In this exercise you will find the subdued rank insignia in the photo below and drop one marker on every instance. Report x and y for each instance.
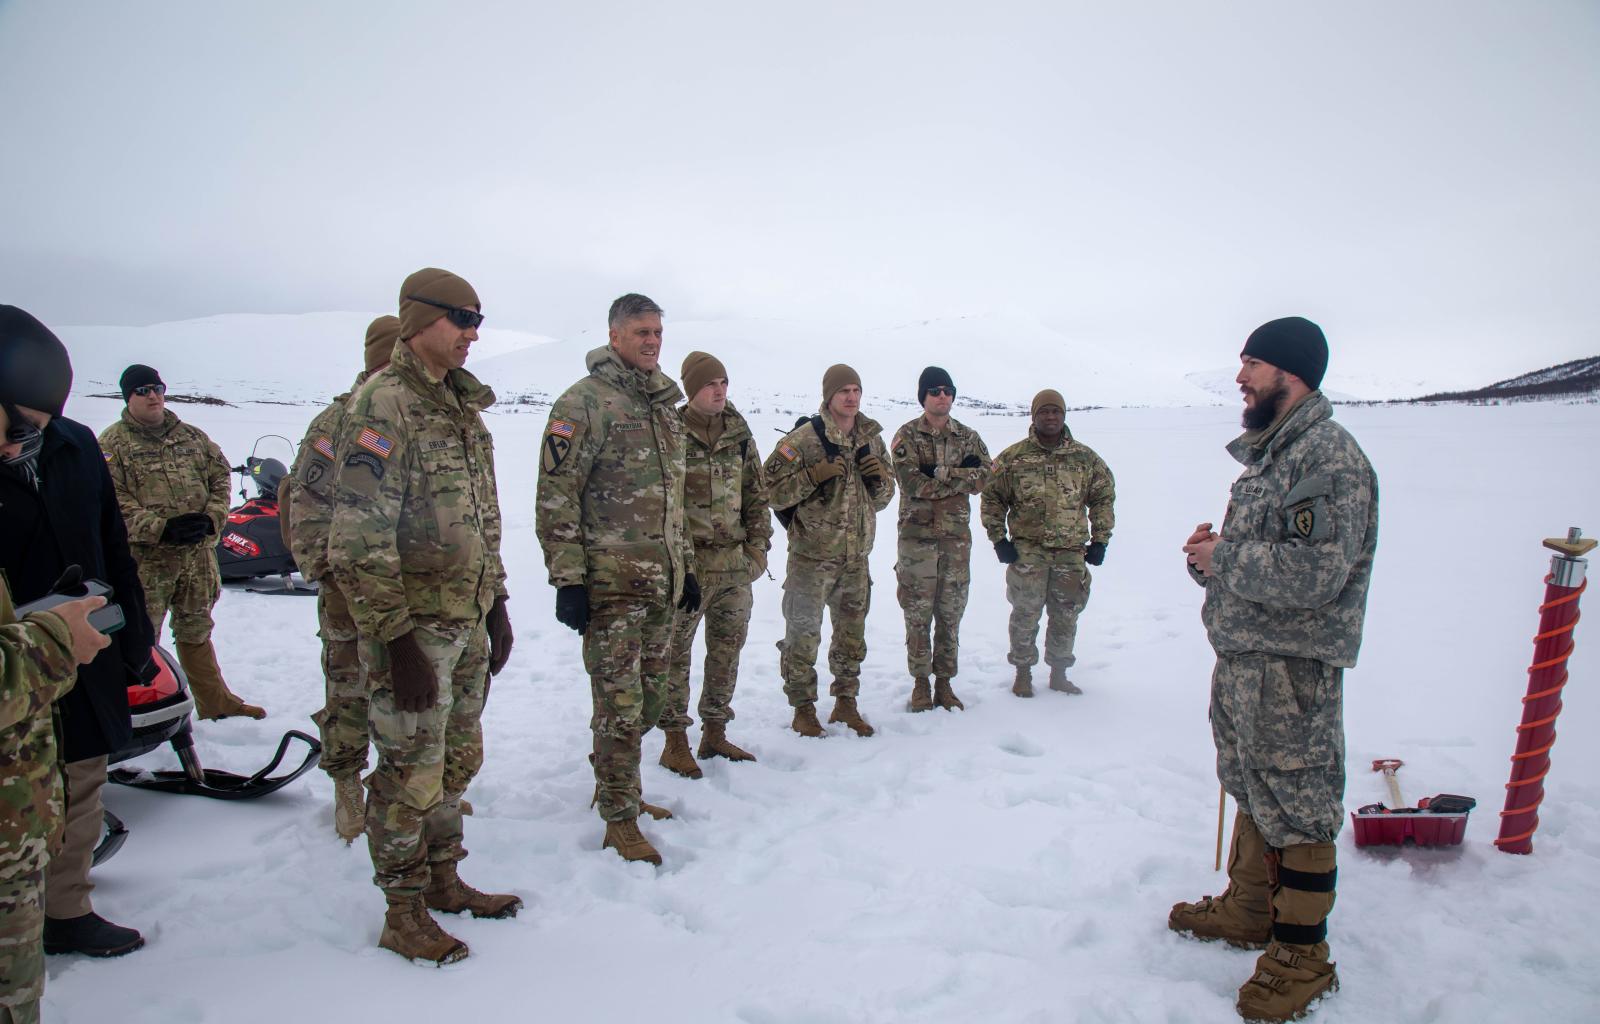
(1305, 520)
(556, 449)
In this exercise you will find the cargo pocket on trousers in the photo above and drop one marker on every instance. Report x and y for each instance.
(1298, 721)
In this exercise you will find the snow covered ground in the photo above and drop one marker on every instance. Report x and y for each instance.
(1014, 862)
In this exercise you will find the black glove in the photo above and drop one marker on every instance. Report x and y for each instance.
(1005, 551)
(928, 468)
(1094, 553)
(690, 601)
(572, 607)
(411, 676)
(188, 528)
(498, 623)
(971, 462)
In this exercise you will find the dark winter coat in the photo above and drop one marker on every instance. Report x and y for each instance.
(73, 519)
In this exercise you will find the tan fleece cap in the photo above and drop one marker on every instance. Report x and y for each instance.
(839, 375)
(382, 333)
(1049, 396)
(438, 286)
(700, 369)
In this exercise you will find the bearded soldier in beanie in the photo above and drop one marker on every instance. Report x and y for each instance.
(725, 508)
(611, 523)
(1057, 499)
(58, 513)
(306, 513)
(828, 479)
(939, 463)
(414, 547)
(172, 484)
(1286, 593)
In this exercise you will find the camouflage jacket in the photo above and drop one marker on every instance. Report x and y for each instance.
(1290, 574)
(839, 520)
(938, 506)
(725, 502)
(36, 667)
(415, 535)
(610, 497)
(305, 499)
(1041, 495)
(161, 472)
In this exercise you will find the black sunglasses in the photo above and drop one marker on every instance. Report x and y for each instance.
(942, 390)
(150, 389)
(459, 316)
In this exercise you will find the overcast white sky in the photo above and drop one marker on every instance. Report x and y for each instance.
(1421, 177)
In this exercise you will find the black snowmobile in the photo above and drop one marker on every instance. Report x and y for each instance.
(161, 714)
(251, 545)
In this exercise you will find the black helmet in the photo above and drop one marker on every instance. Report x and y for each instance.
(268, 474)
(34, 368)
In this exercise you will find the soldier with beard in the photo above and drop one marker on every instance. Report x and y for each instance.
(1286, 592)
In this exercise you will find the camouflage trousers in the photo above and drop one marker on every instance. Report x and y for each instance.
(184, 580)
(21, 947)
(1279, 727)
(844, 589)
(626, 651)
(425, 759)
(726, 611)
(933, 575)
(1056, 582)
(342, 721)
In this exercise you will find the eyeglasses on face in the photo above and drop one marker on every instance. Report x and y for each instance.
(942, 391)
(459, 316)
(146, 390)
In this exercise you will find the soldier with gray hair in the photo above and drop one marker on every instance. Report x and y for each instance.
(1286, 593)
(610, 519)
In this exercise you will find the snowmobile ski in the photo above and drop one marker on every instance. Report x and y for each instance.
(193, 780)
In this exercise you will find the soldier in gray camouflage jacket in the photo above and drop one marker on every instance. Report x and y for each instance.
(1286, 592)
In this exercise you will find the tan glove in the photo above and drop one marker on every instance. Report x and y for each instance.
(822, 472)
(872, 469)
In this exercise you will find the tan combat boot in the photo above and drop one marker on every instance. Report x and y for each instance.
(627, 840)
(1059, 680)
(945, 697)
(447, 892)
(675, 756)
(1295, 970)
(1242, 915)
(1023, 687)
(805, 722)
(921, 696)
(212, 698)
(845, 710)
(349, 808)
(714, 743)
(408, 929)
(658, 813)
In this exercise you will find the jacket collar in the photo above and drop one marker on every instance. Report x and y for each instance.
(1254, 445)
(471, 393)
(654, 387)
(169, 421)
(866, 428)
(1066, 440)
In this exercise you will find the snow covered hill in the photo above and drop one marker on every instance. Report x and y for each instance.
(1011, 863)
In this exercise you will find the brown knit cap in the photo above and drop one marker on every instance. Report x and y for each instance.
(382, 333)
(1049, 396)
(700, 369)
(838, 376)
(439, 286)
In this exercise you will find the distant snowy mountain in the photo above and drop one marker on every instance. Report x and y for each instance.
(1578, 380)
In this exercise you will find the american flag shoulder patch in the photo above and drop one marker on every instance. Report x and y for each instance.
(375, 442)
(324, 447)
(788, 453)
(561, 428)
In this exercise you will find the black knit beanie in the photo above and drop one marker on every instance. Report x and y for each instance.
(137, 376)
(933, 377)
(34, 368)
(1292, 344)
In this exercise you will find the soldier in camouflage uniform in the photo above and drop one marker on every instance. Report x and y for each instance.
(172, 484)
(611, 523)
(1042, 488)
(1286, 593)
(829, 478)
(415, 546)
(939, 463)
(725, 504)
(306, 512)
